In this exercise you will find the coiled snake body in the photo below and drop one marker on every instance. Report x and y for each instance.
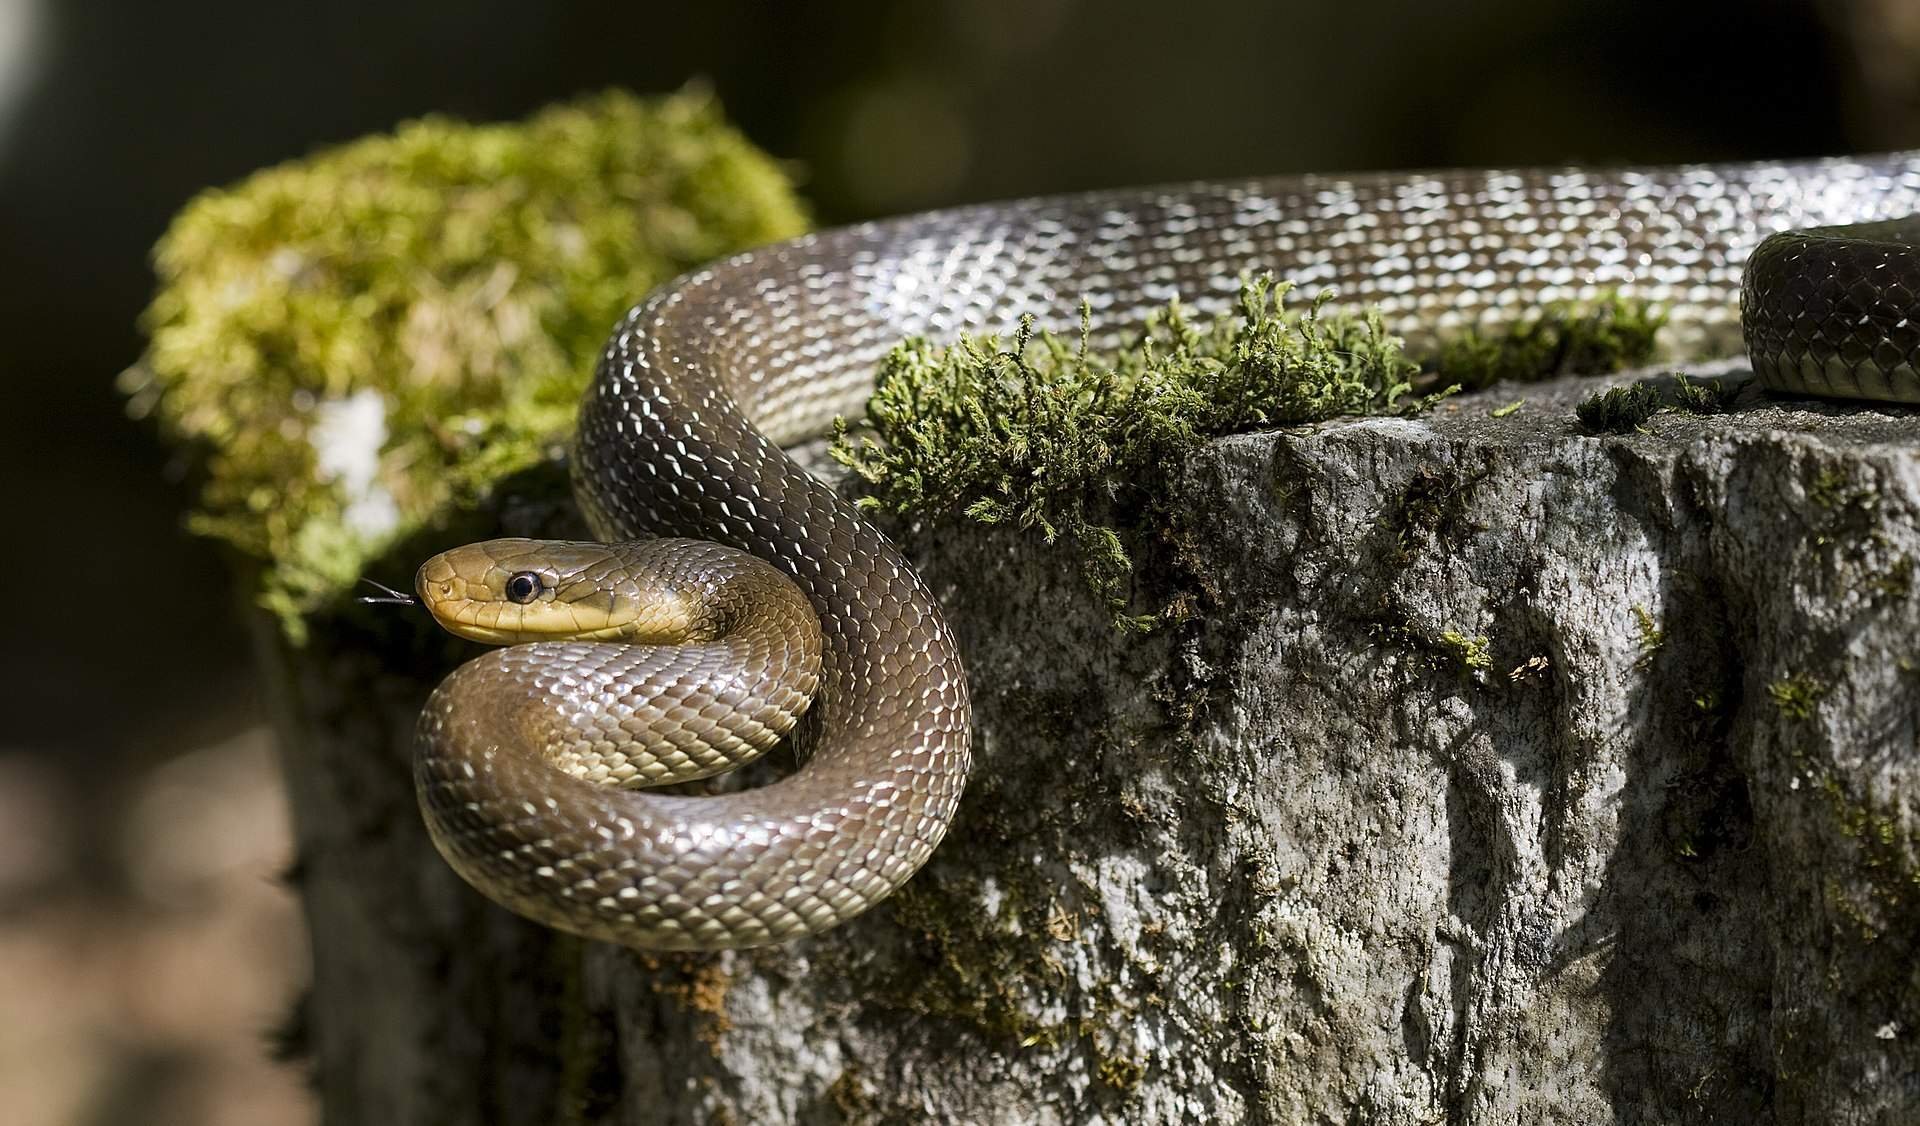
(527, 756)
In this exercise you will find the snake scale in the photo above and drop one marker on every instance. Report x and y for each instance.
(529, 757)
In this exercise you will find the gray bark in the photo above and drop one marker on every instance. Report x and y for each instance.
(1651, 853)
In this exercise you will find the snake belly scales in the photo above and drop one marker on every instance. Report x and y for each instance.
(700, 386)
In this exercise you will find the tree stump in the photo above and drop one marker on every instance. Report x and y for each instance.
(1503, 774)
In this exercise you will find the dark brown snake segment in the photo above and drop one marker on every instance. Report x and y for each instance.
(700, 386)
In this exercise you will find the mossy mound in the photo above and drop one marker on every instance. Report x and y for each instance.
(1039, 434)
(1623, 410)
(351, 344)
(1042, 434)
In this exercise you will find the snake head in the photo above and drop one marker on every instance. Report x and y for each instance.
(507, 591)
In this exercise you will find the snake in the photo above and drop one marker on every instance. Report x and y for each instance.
(736, 603)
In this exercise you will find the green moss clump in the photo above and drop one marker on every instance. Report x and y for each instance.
(1564, 338)
(1622, 410)
(1474, 653)
(1708, 397)
(354, 343)
(1650, 636)
(1121, 1073)
(1041, 434)
(1833, 489)
(1796, 696)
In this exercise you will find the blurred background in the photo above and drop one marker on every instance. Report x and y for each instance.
(147, 951)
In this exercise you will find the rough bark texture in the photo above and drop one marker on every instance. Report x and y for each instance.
(1650, 852)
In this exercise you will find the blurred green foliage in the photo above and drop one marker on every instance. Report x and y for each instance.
(352, 343)
(1563, 338)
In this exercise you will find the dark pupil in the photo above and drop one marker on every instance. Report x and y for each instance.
(523, 586)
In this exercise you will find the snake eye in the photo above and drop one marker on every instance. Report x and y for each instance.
(524, 586)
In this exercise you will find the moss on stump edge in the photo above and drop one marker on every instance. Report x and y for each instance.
(1046, 436)
(352, 345)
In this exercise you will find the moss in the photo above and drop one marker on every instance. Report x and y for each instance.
(1882, 891)
(1710, 397)
(1796, 696)
(1830, 489)
(1709, 813)
(1502, 412)
(1473, 653)
(354, 344)
(1706, 809)
(1887, 857)
(985, 967)
(1120, 1073)
(1622, 410)
(989, 950)
(1005, 951)
(1894, 581)
(1619, 410)
(1844, 519)
(1429, 510)
(1565, 338)
(1041, 434)
(1650, 636)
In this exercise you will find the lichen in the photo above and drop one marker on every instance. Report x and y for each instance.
(1564, 338)
(440, 293)
(1041, 434)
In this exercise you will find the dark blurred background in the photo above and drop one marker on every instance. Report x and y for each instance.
(126, 663)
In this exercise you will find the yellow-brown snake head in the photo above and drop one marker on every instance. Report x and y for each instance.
(509, 591)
